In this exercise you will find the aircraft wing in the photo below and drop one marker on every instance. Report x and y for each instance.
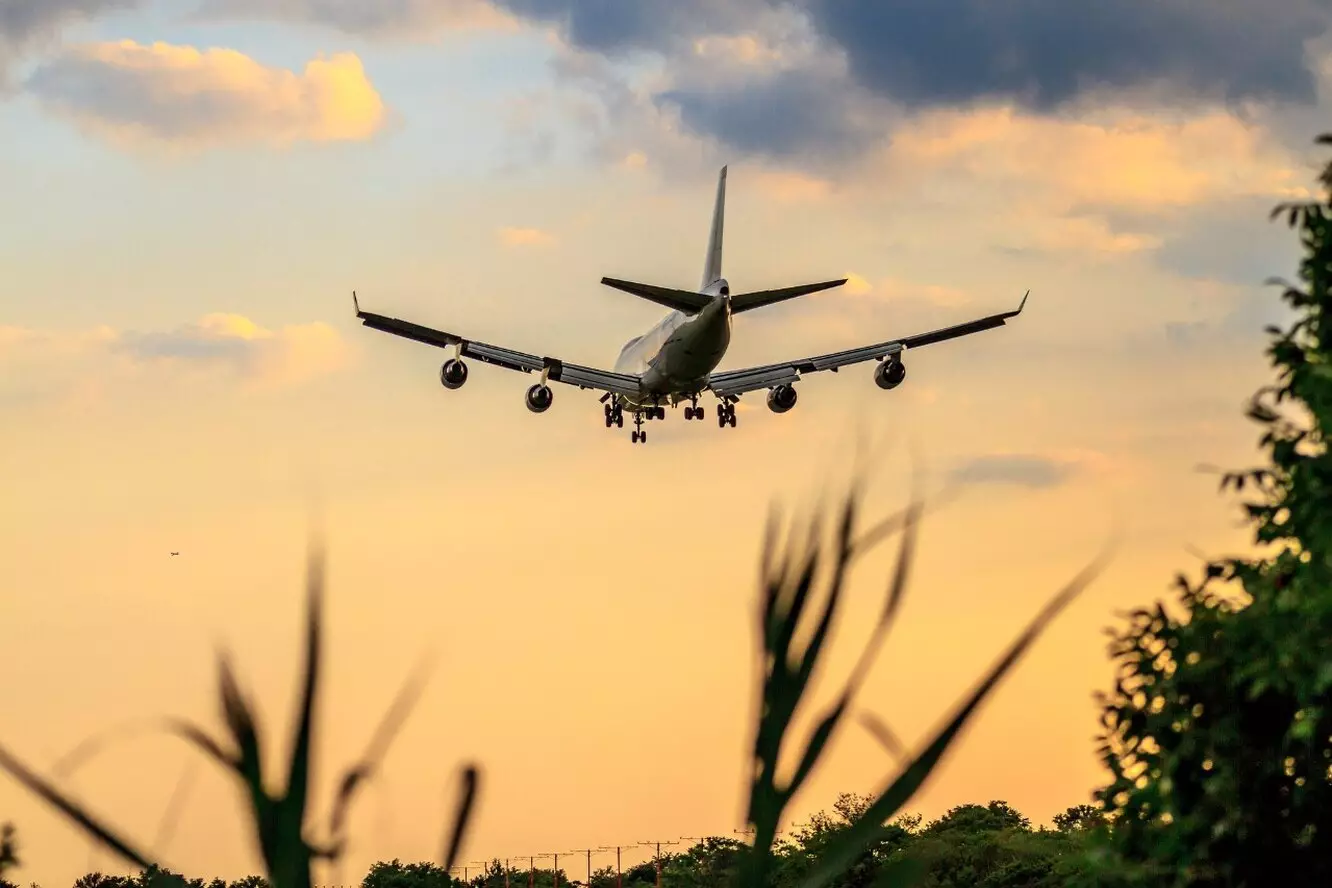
(570, 374)
(736, 382)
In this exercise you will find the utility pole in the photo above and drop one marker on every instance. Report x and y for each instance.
(588, 852)
(619, 876)
(658, 857)
(556, 855)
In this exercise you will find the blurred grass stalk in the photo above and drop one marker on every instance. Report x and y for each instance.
(278, 822)
(788, 581)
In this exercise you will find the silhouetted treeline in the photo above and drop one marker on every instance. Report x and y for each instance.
(971, 846)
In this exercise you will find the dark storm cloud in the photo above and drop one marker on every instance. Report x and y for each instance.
(24, 23)
(608, 26)
(1045, 53)
(23, 20)
(788, 114)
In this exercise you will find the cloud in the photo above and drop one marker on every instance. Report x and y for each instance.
(1231, 242)
(179, 95)
(398, 19)
(899, 291)
(1023, 470)
(524, 237)
(1046, 54)
(236, 345)
(785, 186)
(1113, 158)
(219, 346)
(28, 23)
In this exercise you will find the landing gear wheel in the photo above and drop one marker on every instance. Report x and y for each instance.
(725, 415)
(639, 436)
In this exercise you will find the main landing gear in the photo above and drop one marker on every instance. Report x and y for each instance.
(693, 411)
(725, 415)
(614, 416)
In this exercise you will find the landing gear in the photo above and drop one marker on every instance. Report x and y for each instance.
(725, 415)
(694, 411)
(655, 412)
(614, 416)
(639, 436)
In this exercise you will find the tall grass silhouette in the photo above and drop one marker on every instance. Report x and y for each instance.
(279, 822)
(790, 579)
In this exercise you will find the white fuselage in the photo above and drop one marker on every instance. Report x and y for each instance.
(675, 357)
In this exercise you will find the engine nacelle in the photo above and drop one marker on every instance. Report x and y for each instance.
(539, 398)
(889, 374)
(453, 374)
(781, 398)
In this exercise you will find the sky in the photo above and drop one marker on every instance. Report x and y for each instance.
(192, 191)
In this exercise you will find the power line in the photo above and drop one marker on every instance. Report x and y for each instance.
(658, 856)
(619, 876)
(588, 852)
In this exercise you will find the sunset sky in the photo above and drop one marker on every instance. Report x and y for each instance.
(192, 189)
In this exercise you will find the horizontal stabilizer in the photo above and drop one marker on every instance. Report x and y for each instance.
(680, 300)
(758, 299)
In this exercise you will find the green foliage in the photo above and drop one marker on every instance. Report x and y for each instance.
(789, 581)
(396, 874)
(1218, 733)
(154, 877)
(8, 853)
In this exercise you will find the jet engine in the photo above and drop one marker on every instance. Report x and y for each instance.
(539, 398)
(453, 374)
(781, 398)
(889, 374)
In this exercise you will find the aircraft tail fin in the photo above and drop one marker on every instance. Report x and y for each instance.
(712, 264)
(760, 298)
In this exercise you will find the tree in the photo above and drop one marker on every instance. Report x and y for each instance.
(396, 874)
(807, 844)
(992, 846)
(1079, 817)
(1218, 733)
(8, 853)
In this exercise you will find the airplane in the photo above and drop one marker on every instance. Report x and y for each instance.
(676, 360)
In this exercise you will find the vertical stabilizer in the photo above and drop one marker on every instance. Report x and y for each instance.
(712, 266)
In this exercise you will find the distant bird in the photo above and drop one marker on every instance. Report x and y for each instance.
(174, 554)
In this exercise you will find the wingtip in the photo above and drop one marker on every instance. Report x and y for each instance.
(1023, 303)
(356, 303)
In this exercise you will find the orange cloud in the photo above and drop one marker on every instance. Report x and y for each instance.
(791, 186)
(1120, 159)
(217, 344)
(181, 95)
(524, 237)
(900, 290)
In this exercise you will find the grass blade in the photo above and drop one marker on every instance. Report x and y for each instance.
(884, 734)
(471, 778)
(376, 750)
(847, 845)
(166, 827)
(298, 772)
(73, 811)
